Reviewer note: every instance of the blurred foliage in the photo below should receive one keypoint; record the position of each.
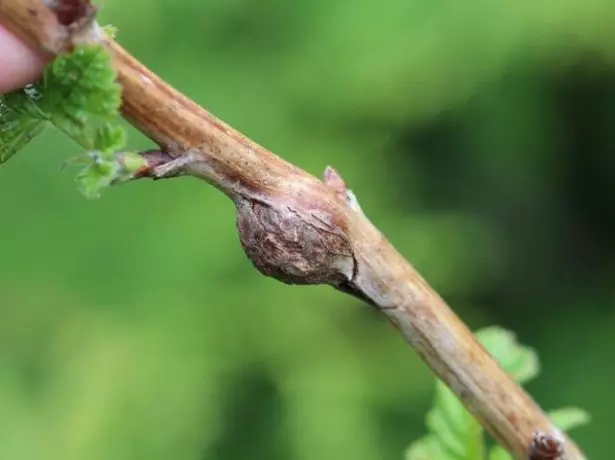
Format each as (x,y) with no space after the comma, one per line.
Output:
(478,136)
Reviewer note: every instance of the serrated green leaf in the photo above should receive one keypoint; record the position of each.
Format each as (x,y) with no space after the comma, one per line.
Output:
(569,418)
(499,453)
(455,434)
(20,120)
(15,136)
(99,174)
(428,448)
(81,92)
(110,138)
(452,428)
(517,360)
(454,431)
(105,169)
(110,30)
(450,406)
(80,96)
(452,441)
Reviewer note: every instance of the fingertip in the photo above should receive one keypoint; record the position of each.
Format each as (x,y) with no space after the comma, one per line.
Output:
(19,63)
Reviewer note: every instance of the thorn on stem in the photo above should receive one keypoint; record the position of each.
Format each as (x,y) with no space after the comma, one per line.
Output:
(334,181)
(161,165)
(173,168)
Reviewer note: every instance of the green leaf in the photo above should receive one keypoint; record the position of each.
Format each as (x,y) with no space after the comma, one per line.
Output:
(456,430)
(81,92)
(79,95)
(517,360)
(20,120)
(104,169)
(428,448)
(455,434)
(110,30)
(499,453)
(452,427)
(569,418)
(109,138)
(83,96)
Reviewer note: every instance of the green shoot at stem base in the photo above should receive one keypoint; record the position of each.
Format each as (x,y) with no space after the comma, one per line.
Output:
(78,95)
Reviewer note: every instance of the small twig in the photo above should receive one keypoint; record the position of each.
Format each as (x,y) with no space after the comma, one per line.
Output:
(297,228)
(161,165)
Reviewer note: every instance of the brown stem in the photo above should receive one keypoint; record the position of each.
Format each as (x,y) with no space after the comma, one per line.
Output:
(300,229)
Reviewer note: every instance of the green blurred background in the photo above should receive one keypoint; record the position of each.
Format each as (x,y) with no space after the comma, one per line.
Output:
(479,136)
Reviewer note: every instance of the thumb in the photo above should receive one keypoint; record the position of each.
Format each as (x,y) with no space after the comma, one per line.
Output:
(19,63)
